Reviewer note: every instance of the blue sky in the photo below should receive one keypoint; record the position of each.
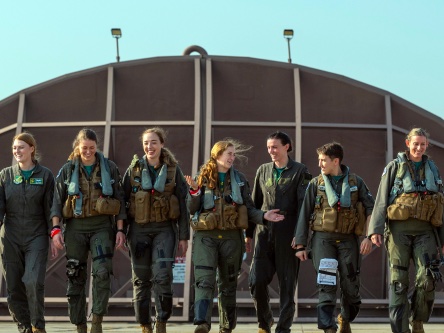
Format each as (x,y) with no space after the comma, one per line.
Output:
(394,45)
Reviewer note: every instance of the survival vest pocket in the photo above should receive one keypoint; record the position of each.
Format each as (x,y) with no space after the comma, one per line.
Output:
(230,217)
(360,225)
(174,212)
(142,203)
(398,212)
(108,206)
(242,218)
(67,210)
(436,218)
(205,221)
(329,219)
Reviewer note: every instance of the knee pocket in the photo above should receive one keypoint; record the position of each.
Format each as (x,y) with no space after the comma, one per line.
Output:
(162,278)
(102,273)
(204,284)
(399,287)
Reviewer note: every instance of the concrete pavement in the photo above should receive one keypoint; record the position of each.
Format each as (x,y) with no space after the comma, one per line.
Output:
(56,327)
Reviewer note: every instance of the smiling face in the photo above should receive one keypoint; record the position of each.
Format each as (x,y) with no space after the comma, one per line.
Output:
(328,165)
(417,146)
(87,150)
(278,152)
(152,147)
(226,159)
(22,152)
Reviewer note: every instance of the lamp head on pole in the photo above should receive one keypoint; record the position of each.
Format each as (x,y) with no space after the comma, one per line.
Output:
(116,32)
(288,33)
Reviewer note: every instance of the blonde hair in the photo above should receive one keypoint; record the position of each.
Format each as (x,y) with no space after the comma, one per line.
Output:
(208,172)
(418,131)
(84,134)
(30,140)
(166,156)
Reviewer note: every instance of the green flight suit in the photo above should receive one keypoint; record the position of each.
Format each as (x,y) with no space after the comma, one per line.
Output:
(272,250)
(93,234)
(153,249)
(217,259)
(25,207)
(334,245)
(406,240)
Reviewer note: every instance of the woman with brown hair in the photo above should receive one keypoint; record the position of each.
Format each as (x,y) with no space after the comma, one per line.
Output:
(155,191)
(90,200)
(26,194)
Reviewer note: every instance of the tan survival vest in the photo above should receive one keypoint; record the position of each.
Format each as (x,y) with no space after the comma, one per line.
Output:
(225,215)
(424,204)
(153,206)
(91,192)
(344,220)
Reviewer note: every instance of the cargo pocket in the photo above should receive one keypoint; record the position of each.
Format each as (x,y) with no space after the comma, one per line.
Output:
(142,199)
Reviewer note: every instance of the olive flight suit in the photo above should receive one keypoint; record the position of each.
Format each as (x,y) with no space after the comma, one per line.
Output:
(89,232)
(218,251)
(418,235)
(272,249)
(153,241)
(25,206)
(336,241)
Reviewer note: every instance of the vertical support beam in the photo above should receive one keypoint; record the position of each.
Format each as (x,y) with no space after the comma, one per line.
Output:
(208,109)
(297,144)
(298,114)
(20,118)
(197,115)
(109,110)
(388,121)
(194,166)
(389,156)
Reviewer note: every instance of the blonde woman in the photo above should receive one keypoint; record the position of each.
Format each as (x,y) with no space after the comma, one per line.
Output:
(409,213)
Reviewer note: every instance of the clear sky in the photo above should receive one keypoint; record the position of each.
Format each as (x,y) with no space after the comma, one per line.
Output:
(397,45)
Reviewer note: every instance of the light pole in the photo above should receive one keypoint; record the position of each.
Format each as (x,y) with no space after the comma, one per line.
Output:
(288,35)
(117,33)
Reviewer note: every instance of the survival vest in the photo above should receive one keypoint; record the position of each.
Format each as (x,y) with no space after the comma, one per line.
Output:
(151,205)
(222,210)
(344,220)
(91,191)
(420,199)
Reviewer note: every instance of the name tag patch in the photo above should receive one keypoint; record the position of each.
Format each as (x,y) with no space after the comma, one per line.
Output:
(36,181)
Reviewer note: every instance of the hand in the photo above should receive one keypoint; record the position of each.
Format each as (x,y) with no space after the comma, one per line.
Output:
(302,255)
(273,216)
(293,243)
(120,240)
(56,244)
(366,246)
(193,185)
(377,239)
(182,248)
(57,241)
(248,244)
